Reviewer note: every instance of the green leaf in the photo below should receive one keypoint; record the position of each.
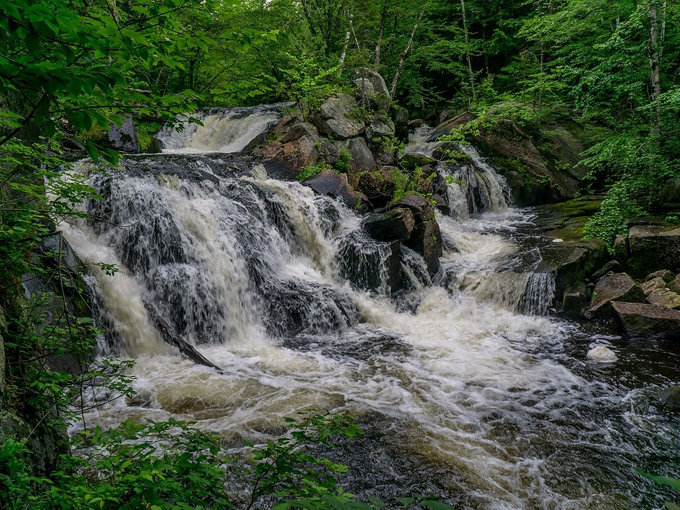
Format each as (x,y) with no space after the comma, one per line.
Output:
(661,480)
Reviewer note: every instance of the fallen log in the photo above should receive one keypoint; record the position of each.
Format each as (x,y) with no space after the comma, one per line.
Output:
(170,336)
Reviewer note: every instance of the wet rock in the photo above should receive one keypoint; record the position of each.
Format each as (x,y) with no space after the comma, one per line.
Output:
(647,322)
(372,88)
(401,123)
(415,123)
(371,265)
(615,287)
(652,248)
(666,275)
(328,182)
(649,286)
(379,185)
(445,127)
(573,304)
(664,297)
(602,354)
(328,151)
(124,137)
(393,225)
(334,118)
(426,239)
(612,266)
(287,160)
(675,285)
(412,160)
(670,398)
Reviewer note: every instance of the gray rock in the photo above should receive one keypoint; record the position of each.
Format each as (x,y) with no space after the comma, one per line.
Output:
(665,274)
(652,248)
(611,266)
(401,123)
(300,130)
(647,322)
(573,304)
(362,157)
(334,118)
(675,284)
(371,88)
(328,182)
(616,287)
(124,137)
(287,160)
(664,297)
(649,286)
(380,126)
(393,225)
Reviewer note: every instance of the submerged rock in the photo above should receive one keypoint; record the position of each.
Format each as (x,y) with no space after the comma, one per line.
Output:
(647,322)
(615,287)
(602,354)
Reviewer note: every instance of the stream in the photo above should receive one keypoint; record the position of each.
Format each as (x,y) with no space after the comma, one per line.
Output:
(465,384)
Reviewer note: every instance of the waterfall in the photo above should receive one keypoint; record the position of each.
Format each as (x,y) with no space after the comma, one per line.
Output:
(220,129)
(459,379)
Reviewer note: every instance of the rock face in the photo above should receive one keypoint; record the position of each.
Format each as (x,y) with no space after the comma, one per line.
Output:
(333,118)
(394,225)
(611,266)
(650,286)
(287,159)
(328,182)
(124,137)
(362,157)
(372,89)
(652,248)
(615,287)
(380,126)
(647,322)
(665,274)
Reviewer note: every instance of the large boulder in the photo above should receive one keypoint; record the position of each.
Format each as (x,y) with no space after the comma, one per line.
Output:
(615,287)
(361,156)
(654,284)
(328,182)
(664,297)
(401,123)
(393,225)
(124,137)
(381,126)
(426,237)
(379,185)
(334,118)
(286,160)
(652,248)
(647,322)
(372,88)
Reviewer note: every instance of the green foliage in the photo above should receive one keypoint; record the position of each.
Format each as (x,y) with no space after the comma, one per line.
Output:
(609,222)
(664,480)
(344,162)
(310,171)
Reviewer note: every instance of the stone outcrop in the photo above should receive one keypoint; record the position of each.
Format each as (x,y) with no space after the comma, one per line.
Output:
(651,285)
(394,225)
(334,118)
(664,297)
(372,89)
(287,159)
(615,287)
(362,157)
(328,182)
(651,248)
(647,322)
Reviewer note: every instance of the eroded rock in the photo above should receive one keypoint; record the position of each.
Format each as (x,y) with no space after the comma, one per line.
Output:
(615,287)
(647,322)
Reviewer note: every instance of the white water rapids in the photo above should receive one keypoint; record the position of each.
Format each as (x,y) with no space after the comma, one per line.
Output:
(488,405)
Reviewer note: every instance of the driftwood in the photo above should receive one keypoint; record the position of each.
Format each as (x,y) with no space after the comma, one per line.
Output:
(171,337)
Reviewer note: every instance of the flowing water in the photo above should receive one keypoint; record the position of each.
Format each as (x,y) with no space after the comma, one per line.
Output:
(465,387)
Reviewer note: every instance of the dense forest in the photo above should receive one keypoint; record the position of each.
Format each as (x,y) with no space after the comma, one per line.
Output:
(514,79)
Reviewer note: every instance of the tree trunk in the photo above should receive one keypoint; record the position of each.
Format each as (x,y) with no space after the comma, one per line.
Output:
(654,62)
(471,74)
(383,20)
(344,53)
(404,53)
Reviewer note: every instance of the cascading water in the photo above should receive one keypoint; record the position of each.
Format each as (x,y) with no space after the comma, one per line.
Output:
(460,393)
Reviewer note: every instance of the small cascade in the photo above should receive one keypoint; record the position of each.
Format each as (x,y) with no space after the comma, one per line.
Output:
(221,129)
(419,142)
(368,264)
(477,188)
(539,294)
